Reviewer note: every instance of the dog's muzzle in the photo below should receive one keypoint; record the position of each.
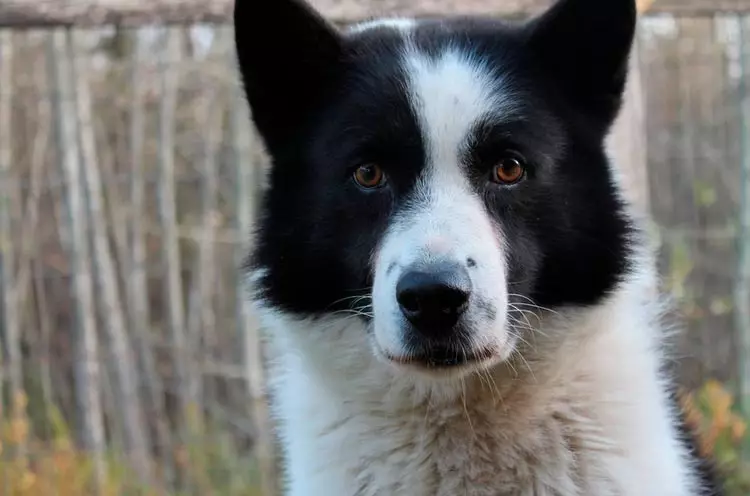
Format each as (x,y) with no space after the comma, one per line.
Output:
(433,297)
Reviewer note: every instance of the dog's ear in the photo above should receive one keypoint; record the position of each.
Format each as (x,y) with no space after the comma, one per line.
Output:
(287,53)
(586,46)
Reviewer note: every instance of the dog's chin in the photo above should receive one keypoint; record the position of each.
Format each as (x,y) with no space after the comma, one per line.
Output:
(443,361)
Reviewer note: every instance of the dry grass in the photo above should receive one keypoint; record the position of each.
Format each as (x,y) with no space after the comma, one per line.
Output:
(33,466)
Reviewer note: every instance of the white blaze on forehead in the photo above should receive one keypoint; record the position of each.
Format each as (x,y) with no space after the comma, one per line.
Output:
(450,95)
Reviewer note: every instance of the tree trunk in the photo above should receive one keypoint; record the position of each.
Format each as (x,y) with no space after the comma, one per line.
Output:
(10,201)
(137,283)
(126,377)
(87,373)
(187,383)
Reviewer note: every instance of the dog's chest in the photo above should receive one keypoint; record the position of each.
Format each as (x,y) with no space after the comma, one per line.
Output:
(450,450)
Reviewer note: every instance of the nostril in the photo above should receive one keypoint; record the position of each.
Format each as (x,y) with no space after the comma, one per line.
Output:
(408,300)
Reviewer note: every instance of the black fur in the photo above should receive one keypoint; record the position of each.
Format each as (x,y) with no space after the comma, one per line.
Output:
(325,103)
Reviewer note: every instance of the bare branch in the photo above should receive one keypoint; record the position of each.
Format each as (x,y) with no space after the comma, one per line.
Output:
(9,195)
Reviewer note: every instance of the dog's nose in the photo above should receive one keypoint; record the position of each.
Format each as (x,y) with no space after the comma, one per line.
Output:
(433,297)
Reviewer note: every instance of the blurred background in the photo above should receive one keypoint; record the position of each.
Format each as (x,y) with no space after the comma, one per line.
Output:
(130,174)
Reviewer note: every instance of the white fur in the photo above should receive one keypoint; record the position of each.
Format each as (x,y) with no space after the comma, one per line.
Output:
(447,220)
(584,413)
(578,410)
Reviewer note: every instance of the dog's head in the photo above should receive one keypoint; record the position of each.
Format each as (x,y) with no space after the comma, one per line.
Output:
(437,178)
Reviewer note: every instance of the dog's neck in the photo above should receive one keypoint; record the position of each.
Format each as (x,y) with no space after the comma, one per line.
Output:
(586,391)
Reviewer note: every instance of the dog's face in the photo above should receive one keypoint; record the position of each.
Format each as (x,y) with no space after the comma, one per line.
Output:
(437,179)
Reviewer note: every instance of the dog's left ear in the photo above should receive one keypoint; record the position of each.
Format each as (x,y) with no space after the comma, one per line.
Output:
(585,46)
(287,53)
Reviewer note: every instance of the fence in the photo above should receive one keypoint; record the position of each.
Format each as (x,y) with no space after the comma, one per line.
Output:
(130,175)
(693,72)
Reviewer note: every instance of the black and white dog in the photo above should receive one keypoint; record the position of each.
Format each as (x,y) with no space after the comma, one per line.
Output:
(458,297)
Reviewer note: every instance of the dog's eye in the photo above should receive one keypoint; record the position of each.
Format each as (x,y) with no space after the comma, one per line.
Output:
(369,176)
(509,170)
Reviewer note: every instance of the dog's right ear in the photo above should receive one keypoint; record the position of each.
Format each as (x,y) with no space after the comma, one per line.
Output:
(287,54)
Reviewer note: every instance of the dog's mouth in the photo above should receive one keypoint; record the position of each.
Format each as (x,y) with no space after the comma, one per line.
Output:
(444,358)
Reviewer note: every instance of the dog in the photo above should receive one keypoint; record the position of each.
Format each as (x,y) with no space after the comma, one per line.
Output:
(458,297)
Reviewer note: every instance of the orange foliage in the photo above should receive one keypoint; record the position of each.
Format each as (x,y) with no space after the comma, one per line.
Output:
(711,415)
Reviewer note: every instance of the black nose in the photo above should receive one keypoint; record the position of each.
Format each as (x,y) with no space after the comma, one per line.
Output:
(433,297)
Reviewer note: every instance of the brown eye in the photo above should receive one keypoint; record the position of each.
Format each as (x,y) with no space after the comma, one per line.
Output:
(509,170)
(369,176)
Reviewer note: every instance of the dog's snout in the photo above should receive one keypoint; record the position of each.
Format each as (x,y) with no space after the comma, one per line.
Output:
(432,298)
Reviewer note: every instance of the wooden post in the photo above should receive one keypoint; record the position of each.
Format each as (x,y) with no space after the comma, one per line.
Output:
(80,13)
(742,278)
